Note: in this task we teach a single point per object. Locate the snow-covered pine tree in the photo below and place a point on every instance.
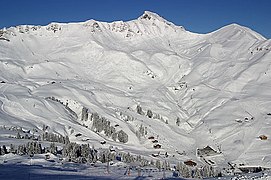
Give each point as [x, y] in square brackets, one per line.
[4, 149]
[178, 121]
[21, 150]
[205, 171]
[137, 134]
[149, 113]
[37, 148]
[53, 148]
[85, 151]
[211, 171]
[112, 130]
[178, 166]
[141, 130]
[107, 129]
[114, 136]
[67, 140]
[139, 110]
[18, 136]
[185, 172]
[29, 148]
[158, 165]
[84, 116]
[76, 152]
[122, 136]
[197, 173]
[167, 165]
[12, 149]
[93, 154]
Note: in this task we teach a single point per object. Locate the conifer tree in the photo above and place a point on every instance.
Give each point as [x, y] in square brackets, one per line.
[158, 164]
[122, 136]
[178, 121]
[84, 114]
[53, 148]
[18, 136]
[149, 113]
[12, 149]
[1, 151]
[197, 173]
[139, 110]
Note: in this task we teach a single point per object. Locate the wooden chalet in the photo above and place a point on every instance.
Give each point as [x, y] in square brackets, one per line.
[190, 163]
[207, 151]
[263, 137]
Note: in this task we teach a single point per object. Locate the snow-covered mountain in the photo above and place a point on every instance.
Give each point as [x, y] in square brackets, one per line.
[200, 89]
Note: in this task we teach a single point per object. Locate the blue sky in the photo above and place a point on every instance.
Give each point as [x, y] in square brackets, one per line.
[195, 15]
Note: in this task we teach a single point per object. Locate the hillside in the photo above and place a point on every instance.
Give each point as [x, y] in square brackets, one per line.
[217, 85]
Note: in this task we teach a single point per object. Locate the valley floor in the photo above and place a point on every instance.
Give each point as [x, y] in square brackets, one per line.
[37, 168]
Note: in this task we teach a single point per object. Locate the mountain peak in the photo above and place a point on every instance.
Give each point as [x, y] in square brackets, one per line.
[151, 16]
[235, 29]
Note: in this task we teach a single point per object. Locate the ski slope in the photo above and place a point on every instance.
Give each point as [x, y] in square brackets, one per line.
[218, 84]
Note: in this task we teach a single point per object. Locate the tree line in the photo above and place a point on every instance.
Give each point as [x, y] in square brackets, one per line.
[101, 124]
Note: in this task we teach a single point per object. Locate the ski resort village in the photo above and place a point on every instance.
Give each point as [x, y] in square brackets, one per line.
[137, 99]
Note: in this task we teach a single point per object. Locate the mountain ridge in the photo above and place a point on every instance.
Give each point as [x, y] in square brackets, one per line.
[118, 26]
[202, 89]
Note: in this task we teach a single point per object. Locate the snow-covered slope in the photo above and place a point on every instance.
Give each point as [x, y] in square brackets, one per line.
[217, 84]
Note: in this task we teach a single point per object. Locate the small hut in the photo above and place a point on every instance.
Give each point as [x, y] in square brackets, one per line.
[190, 163]
[207, 151]
[47, 156]
[263, 137]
